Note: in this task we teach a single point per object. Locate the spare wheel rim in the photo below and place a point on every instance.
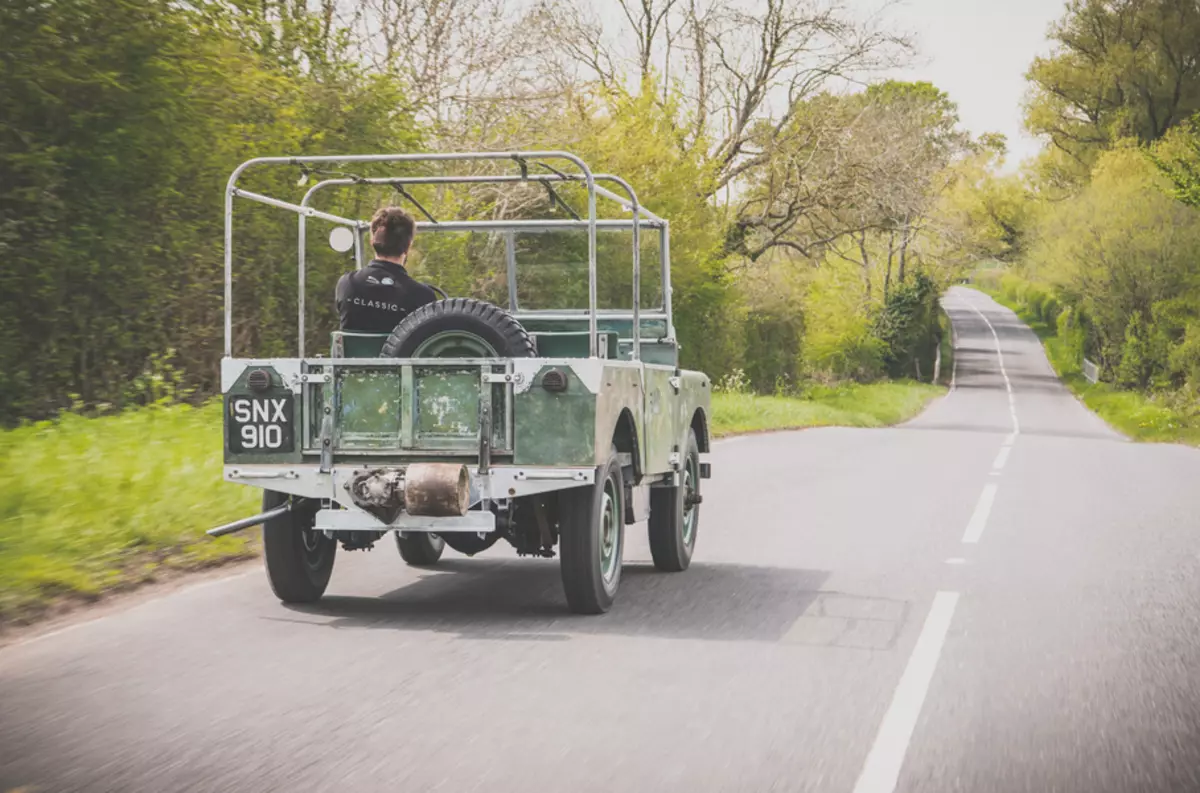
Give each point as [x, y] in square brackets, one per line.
[454, 344]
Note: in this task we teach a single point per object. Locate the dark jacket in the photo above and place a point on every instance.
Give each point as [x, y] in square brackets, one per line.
[375, 298]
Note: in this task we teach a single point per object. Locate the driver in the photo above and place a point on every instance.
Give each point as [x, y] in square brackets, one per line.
[375, 298]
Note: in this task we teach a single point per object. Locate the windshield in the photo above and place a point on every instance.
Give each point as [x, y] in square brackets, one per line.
[550, 267]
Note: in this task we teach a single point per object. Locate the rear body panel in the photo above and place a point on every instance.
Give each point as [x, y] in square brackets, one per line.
[356, 412]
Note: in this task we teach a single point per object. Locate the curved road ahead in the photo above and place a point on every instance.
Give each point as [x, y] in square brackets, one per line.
[1002, 595]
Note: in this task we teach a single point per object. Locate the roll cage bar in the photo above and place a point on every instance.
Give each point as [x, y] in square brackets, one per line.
[641, 217]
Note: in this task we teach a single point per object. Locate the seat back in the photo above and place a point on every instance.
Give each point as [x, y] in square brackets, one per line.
[350, 344]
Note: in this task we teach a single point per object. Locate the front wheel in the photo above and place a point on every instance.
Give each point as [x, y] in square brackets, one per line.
[592, 539]
[299, 559]
[675, 515]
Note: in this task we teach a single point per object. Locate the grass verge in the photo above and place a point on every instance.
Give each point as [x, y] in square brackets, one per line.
[90, 506]
[1134, 414]
[875, 405]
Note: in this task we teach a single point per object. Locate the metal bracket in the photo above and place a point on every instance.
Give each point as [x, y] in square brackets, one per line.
[494, 377]
[399, 188]
[327, 441]
[575, 476]
[676, 383]
[485, 437]
[238, 474]
[308, 377]
[523, 165]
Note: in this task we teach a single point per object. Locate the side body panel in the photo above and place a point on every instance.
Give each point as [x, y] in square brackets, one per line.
[554, 428]
[620, 390]
[662, 418]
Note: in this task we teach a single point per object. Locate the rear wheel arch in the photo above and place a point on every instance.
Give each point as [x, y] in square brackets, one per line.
[625, 439]
[700, 427]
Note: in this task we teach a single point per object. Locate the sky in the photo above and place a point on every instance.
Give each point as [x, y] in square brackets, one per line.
[978, 51]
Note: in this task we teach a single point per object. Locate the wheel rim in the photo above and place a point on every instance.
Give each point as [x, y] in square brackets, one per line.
[691, 480]
[610, 533]
[454, 344]
[314, 544]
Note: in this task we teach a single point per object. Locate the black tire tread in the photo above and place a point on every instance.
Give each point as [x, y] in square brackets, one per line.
[578, 537]
[517, 341]
[283, 553]
[667, 548]
[417, 550]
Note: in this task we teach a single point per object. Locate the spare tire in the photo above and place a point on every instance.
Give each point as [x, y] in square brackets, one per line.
[459, 328]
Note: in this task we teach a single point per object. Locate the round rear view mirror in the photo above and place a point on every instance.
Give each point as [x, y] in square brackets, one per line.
[341, 239]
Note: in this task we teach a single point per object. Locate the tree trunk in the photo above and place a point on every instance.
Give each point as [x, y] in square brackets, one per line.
[904, 250]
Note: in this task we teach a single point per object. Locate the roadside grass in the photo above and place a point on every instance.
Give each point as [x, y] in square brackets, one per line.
[90, 506]
[1139, 416]
[874, 405]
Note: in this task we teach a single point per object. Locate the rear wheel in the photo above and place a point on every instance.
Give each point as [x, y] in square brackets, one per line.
[299, 559]
[420, 548]
[592, 540]
[675, 515]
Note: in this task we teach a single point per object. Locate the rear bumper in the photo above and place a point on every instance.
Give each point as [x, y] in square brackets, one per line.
[481, 521]
[501, 481]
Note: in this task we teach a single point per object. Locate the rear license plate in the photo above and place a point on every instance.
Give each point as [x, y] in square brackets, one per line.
[261, 424]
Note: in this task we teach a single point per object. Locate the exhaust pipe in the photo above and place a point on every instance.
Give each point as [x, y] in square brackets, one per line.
[245, 523]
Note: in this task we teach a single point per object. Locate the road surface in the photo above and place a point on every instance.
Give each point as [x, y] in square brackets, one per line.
[1002, 595]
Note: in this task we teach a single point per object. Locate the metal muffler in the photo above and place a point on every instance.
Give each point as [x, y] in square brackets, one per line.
[438, 490]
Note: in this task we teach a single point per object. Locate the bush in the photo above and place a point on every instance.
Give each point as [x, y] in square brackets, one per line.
[773, 348]
[908, 327]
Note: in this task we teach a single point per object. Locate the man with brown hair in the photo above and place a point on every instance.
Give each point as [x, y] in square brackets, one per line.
[375, 298]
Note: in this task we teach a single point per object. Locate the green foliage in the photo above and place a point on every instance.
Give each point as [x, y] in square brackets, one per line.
[120, 121]
[1120, 247]
[908, 326]
[1178, 157]
[1122, 69]
[839, 343]
[1137, 361]
[1160, 416]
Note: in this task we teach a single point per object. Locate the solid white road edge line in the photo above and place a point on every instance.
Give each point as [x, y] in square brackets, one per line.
[983, 508]
[882, 769]
[1001, 458]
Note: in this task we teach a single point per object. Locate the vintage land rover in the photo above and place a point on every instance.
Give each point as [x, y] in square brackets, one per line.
[548, 427]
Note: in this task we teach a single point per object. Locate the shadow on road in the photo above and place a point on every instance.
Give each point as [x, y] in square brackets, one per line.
[522, 600]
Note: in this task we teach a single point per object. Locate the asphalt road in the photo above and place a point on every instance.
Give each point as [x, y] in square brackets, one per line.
[949, 605]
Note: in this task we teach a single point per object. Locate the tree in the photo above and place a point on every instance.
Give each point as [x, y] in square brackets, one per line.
[742, 71]
[1122, 68]
[120, 121]
[1177, 156]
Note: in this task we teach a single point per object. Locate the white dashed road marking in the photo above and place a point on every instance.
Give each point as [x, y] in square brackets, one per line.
[979, 519]
[886, 757]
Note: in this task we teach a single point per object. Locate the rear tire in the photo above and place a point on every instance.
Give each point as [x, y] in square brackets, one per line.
[299, 559]
[675, 515]
[420, 548]
[592, 540]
